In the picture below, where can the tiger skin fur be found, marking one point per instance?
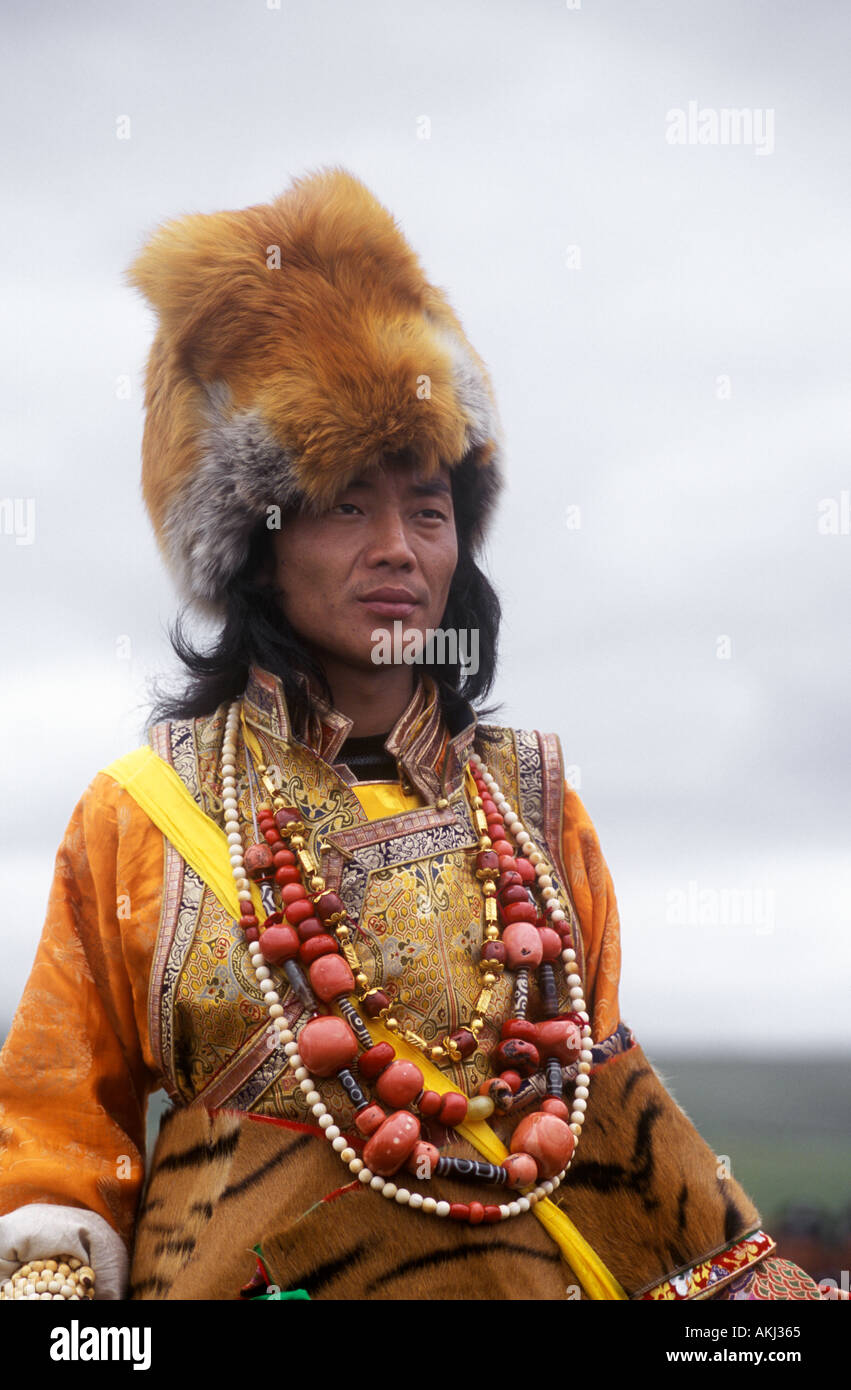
(644, 1191)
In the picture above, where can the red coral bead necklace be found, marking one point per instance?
(308, 935)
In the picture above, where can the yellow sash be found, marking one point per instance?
(165, 799)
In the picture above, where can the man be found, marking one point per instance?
(366, 942)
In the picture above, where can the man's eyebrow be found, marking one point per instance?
(421, 488)
(431, 485)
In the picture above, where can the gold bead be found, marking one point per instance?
(436, 1053)
(297, 841)
(477, 803)
(489, 979)
(361, 980)
(342, 932)
(317, 883)
(488, 888)
(391, 1023)
(492, 933)
(442, 803)
(476, 1025)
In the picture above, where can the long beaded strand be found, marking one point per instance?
(475, 1211)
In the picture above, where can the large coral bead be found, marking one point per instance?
(522, 942)
(517, 1055)
(549, 1141)
(400, 1083)
(330, 977)
(279, 943)
(327, 1044)
(390, 1145)
(561, 1038)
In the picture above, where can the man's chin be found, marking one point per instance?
(396, 642)
(377, 657)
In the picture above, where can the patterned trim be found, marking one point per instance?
(183, 900)
(457, 751)
(265, 706)
(772, 1280)
(175, 742)
(541, 795)
(615, 1045)
(250, 1062)
(415, 741)
(552, 793)
(183, 934)
(530, 780)
(171, 901)
(401, 839)
(178, 738)
(159, 1017)
(704, 1279)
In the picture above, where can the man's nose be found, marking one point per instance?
(389, 539)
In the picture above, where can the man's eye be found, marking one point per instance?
(424, 511)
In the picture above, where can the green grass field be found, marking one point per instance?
(785, 1125)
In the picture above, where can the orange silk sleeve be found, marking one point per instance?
(76, 1071)
(594, 898)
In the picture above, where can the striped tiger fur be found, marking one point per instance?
(644, 1191)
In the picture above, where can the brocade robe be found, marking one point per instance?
(140, 978)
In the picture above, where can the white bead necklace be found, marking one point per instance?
(286, 1038)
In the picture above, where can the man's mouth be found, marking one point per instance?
(390, 603)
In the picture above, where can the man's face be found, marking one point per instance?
(390, 530)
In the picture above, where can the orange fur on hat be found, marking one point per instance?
(298, 342)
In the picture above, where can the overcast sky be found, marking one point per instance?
(667, 327)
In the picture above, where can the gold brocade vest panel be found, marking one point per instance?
(408, 880)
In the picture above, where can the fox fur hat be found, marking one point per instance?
(298, 342)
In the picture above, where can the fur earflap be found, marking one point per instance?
(298, 343)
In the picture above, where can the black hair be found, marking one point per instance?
(257, 632)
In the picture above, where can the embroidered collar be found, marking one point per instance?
(429, 757)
